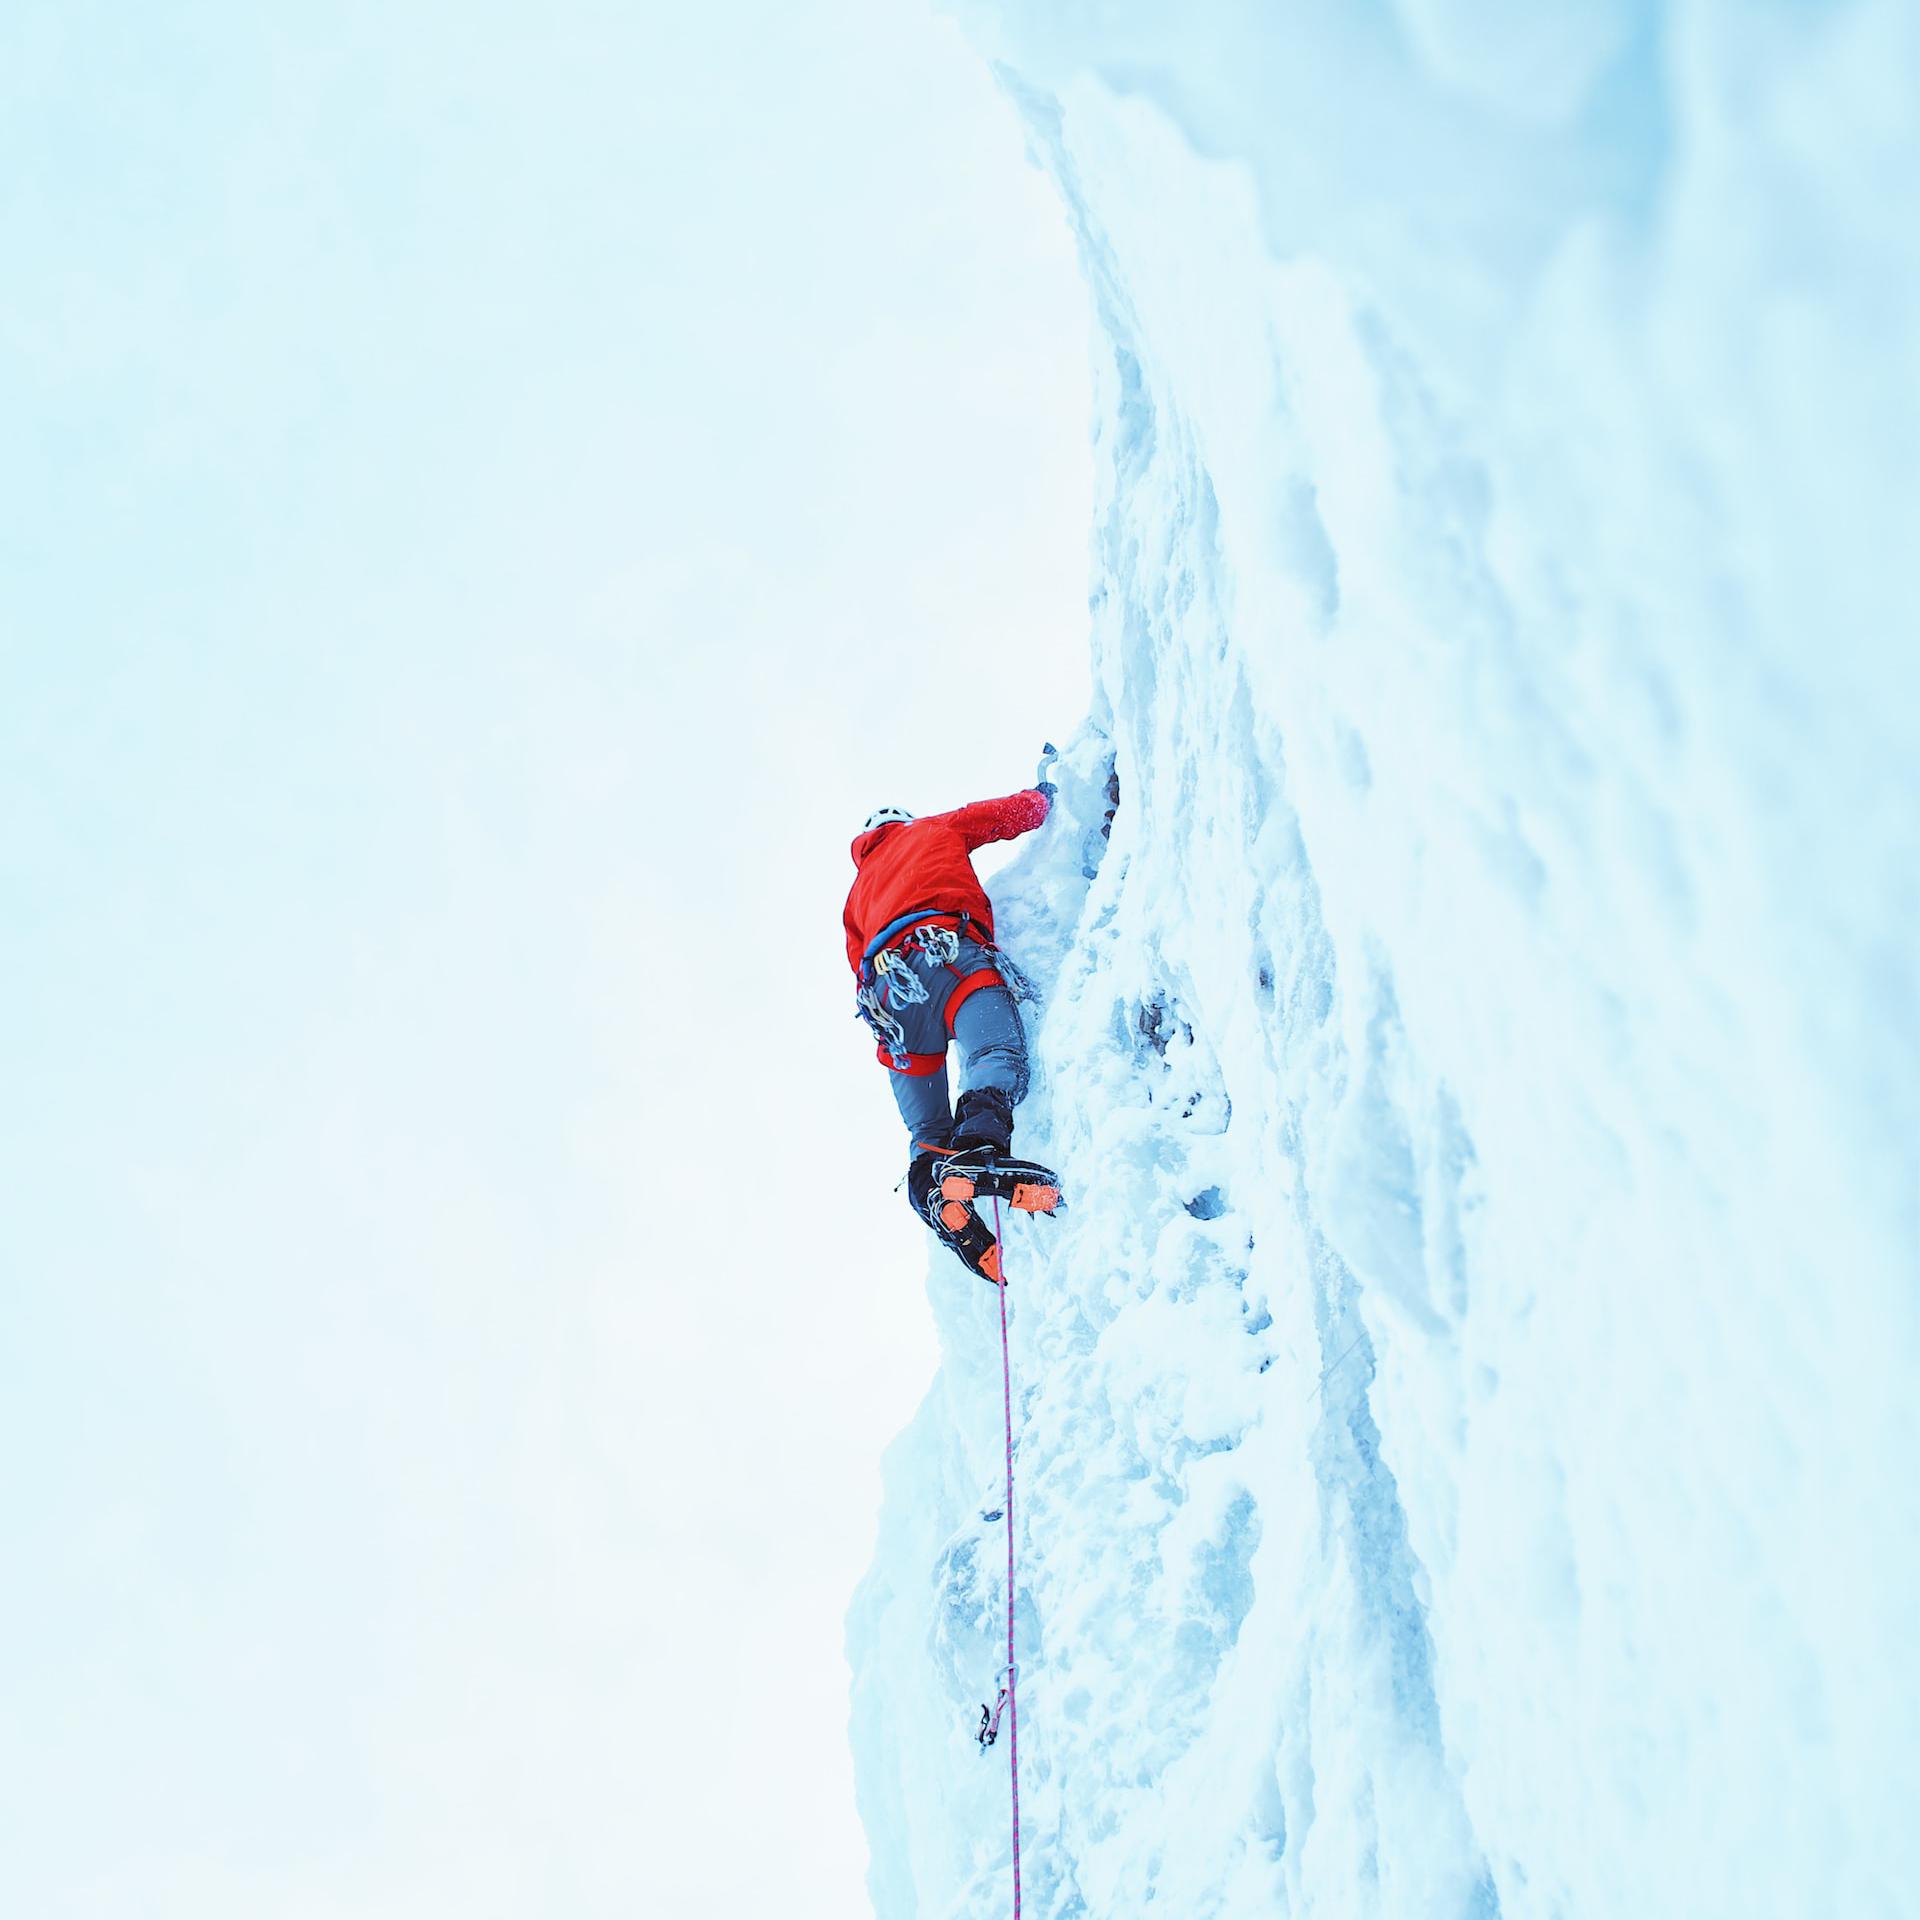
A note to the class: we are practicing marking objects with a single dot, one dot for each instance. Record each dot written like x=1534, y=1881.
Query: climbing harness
x=1012, y=1707
x=889, y=980
x=890, y=977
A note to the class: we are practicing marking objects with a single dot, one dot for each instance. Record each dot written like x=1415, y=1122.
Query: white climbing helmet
x=885, y=817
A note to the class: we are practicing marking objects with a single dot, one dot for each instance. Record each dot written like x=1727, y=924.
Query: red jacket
x=908, y=864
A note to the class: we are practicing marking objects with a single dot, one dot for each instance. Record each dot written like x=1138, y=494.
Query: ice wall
x=1465, y=1427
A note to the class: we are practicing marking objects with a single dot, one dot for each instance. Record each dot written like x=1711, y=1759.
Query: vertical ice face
x=1465, y=1439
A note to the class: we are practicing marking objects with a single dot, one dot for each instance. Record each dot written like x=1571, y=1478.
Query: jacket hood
x=864, y=843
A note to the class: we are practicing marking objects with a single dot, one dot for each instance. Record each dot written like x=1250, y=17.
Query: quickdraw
x=884, y=1027
x=1022, y=989
x=941, y=945
x=990, y=1716
x=896, y=981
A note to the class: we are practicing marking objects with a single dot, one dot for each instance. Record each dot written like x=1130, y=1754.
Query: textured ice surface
x=1465, y=1422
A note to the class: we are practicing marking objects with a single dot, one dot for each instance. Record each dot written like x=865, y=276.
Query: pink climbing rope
x=1013, y=1710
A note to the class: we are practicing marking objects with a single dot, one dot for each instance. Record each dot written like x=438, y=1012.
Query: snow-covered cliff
x=1465, y=1431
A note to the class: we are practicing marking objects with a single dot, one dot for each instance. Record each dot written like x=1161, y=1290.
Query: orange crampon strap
x=956, y=1186
x=954, y=1215
x=1030, y=1196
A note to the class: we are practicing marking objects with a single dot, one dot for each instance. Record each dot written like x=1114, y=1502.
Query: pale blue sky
x=489, y=503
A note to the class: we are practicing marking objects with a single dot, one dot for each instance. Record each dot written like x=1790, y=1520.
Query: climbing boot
x=972, y=1242
x=970, y=1177
x=923, y=1179
x=946, y=1205
x=983, y=1120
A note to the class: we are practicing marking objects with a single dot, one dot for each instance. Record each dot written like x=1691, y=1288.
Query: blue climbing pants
x=985, y=1026
x=993, y=1053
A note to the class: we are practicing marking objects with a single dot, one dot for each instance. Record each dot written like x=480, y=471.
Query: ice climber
x=920, y=940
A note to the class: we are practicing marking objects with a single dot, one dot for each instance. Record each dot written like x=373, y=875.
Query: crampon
x=961, y=1179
